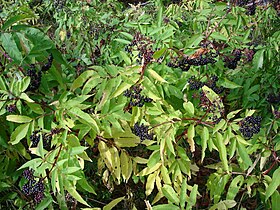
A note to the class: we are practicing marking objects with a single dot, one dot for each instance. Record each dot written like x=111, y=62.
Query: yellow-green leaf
x=113, y=203
x=170, y=194
x=19, y=118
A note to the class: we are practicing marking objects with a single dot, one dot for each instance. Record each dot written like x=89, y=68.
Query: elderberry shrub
x=136, y=99
x=142, y=132
x=250, y=126
x=35, y=78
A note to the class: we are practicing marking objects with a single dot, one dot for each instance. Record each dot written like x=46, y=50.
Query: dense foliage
x=157, y=105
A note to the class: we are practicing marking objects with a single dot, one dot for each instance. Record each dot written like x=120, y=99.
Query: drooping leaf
x=170, y=194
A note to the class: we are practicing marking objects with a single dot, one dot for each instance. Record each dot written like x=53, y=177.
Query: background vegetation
x=139, y=105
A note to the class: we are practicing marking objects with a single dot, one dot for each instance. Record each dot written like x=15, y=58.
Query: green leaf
x=9, y=22
x=222, y=151
x=36, y=108
x=275, y=182
x=218, y=36
x=125, y=58
x=81, y=79
x=34, y=163
x=41, y=41
x=159, y=53
x=123, y=41
x=74, y=193
x=19, y=133
x=170, y=194
x=191, y=134
x=10, y=46
x=86, y=117
x=228, y=84
x=150, y=184
x=192, y=198
x=188, y=106
x=77, y=150
x=234, y=187
x=18, y=118
x=156, y=76
x=165, y=207
x=244, y=154
x=183, y=194
x=113, y=203
x=204, y=139
x=165, y=175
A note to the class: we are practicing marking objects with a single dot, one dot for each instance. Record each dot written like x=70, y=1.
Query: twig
x=217, y=24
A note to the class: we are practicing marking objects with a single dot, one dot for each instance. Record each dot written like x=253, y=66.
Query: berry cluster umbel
x=212, y=83
x=34, y=189
x=250, y=126
x=11, y=108
x=273, y=98
x=46, y=137
x=186, y=62
x=196, y=84
x=142, y=131
x=136, y=99
x=231, y=62
x=142, y=44
x=48, y=65
x=35, y=78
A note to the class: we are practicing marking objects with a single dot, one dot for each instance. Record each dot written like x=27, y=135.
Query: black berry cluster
x=249, y=55
x=35, y=138
x=59, y=4
x=186, y=62
x=200, y=61
x=212, y=83
x=276, y=114
x=28, y=174
x=34, y=189
x=48, y=65
x=251, y=8
x=11, y=108
x=250, y=126
x=46, y=137
x=232, y=61
x=35, y=78
x=142, y=44
x=179, y=64
x=136, y=99
x=273, y=98
x=142, y=132
x=194, y=83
